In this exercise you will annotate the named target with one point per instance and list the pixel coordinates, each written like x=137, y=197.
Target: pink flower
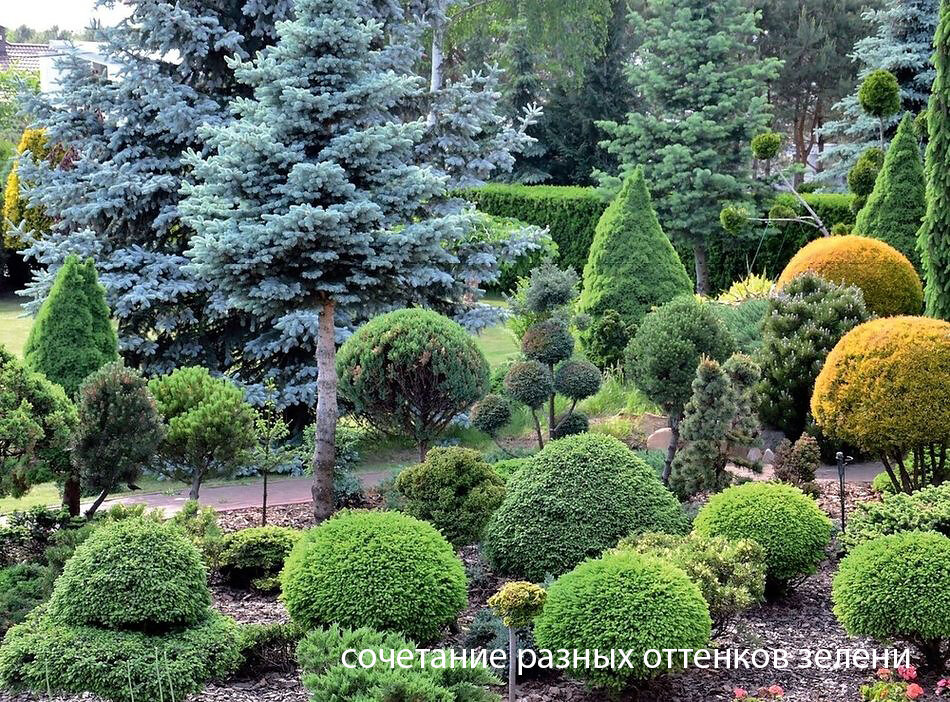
x=776, y=690
x=739, y=693
x=943, y=686
x=908, y=673
x=883, y=673
x=914, y=691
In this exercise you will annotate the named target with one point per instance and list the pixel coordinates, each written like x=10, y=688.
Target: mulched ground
x=801, y=620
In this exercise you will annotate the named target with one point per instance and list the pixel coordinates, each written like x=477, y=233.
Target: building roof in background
x=24, y=57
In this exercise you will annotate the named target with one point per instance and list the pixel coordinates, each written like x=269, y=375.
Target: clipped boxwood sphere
x=549, y=341
x=384, y=570
x=529, y=382
x=574, y=423
x=577, y=379
x=788, y=524
x=885, y=386
x=889, y=282
x=575, y=498
x=623, y=601
x=491, y=414
x=134, y=573
x=896, y=587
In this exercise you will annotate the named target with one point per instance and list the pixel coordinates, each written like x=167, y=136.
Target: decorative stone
x=755, y=454
x=768, y=456
x=660, y=439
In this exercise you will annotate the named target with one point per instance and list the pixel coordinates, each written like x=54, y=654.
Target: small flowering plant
x=772, y=692
x=896, y=686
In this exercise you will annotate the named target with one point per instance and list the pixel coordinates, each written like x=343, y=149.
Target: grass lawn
x=498, y=344
x=13, y=328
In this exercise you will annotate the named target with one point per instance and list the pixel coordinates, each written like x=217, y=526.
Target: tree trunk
x=551, y=406
x=95, y=505
x=671, y=451
x=423, y=451
x=436, y=78
x=195, y=486
x=537, y=428
x=702, y=268
x=72, y=494
x=264, y=502
x=324, y=450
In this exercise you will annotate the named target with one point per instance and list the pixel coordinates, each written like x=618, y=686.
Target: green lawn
x=498, y=344
x=13, y=327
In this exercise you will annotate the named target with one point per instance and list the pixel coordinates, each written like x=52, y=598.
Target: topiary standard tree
x=663, y=356
x=879, y=96
x=410, y=373
x=210, y=426
x=934, y=237
x=896, y=206
x=530, y=383
x=632, y=266
x=119, y=430
x=72, y=335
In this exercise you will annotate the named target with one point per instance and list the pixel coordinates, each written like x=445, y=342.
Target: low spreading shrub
x=788, y=524
x=744, y=321
x=925, y=510
x=269, y=647
x=571, y=501
x=256, y=556
x=897, y=587
x=385, y=570
x=23, y=587
x=623, y=601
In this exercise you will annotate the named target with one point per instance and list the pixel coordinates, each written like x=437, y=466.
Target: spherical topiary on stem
x=490, y=415
x=887, y=279
x=898, y=587
x=885, y=388
x=548, y=342
x=765, y=146
x=530, y=383
x=517, y=604
x=570, y=424
x=788, y=524
x=863, y=175
x=383, y=570
x=577, y=380
x=880, y=96
x=623, y=601
x=575, y=498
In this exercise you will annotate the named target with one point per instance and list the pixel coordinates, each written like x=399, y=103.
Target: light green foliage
x=896, y=206
x=925, y=510
x=410, y=372
x=518, y=603
x=765, y=146
x=200, y=526
x=730, y=574
x=788, y=524
x=507, y=468
x=897, y=587
x=256, y=556
x=879, y=94
x=572, y=500
x=36, y=424
x=72, y=335
x=744, y=321
x=627, y=601
x=454, y=490
x=384, y=570
x=632, y=266
x=210, y=425
x=12, y=81
x=804, y=322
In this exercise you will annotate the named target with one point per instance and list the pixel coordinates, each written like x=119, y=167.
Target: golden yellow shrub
x=15, y=208
x=889, y=282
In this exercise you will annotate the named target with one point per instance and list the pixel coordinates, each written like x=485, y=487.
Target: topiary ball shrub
x=574, y=423
x=887, y=279
x=384, y=570
x=765, y=146
x=256, y=556
x=897, y=587
x=575, y=498
x=577, y=379
x=134, y=573
x=548, y=341
x=623, y=601
x=454, y=490
x=788, y=524
x=491, y=414
x=879, y=94
x=925, y=510
x=529, y=382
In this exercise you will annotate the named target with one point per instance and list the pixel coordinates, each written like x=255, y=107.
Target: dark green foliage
x=72, y=335
x=577, y=379
x=623, y=601
x=797, y=463
x=744, y=321
x=530, y=383
x=26, y=534
x=574, y=423
x=898, y=587
x=321, y=658
x=410, y=372
x=548, y=341
x=256, y=556
x=730, y=574
x=765, y=146
x=454, y=490
x=925, y=510
x=788, y=524
x=119, y=429
x=335, y=574
x=269, y=647
x=804, y=322
x=132, y=574
x=574, y=499
x=632, y=266
x=606, y=338
x=491, y=414
x=571, y=213
x=879, y=94
x=550, y=290
x=22, y=588
x=347, y=488
x=896, y=206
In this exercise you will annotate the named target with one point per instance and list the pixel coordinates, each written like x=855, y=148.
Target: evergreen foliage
x=863, y=176
x=927, y=509
x=255, y=556
x=72, y=335
x=17, y=211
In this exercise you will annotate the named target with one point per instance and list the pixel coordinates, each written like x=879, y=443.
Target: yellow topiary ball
x=885, y=387
x=889, y=282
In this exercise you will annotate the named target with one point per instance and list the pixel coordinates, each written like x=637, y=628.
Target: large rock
x=660, y=439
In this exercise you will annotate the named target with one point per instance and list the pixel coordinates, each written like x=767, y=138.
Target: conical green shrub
x=72, y=335
x=897, y=204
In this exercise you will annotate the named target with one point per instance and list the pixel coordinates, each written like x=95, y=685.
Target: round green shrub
x=623, y=601
x=548, y=341
x=863, y=174
x=134, y=573
x=788, y=524
x=256, y=556
x=879, y=94
x=454, y=490
x=897, y=587
x=765, y=146
x=385, y=570
x=924, y=510
x=606, y=339
x=574, y=423
x=491, y=414
x=575, y=498
x=577, y=379
x=529, y=382
x=43, y=654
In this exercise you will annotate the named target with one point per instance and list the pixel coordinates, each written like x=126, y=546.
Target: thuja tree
x=691, y=141
x=310, y=203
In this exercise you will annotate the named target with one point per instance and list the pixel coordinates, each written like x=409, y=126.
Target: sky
x=42, y=14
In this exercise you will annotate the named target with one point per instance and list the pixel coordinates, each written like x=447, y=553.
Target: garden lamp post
x=843, y=461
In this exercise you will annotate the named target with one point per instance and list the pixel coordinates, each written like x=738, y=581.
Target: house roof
x=25, y=57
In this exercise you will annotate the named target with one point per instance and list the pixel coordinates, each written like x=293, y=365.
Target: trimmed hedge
x=575, y=498
x=625, y=601
x=385, y=570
